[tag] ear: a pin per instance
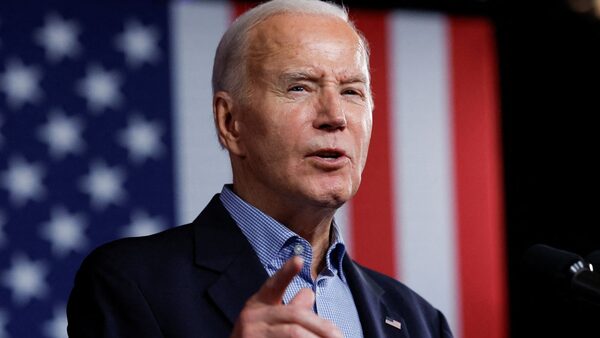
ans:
(227, 123)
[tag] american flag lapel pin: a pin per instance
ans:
(393, 322)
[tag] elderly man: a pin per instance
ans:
(292, 106)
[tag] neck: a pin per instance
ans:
(316, 229)
(311, 222)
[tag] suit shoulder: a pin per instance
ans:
(390, 284)
(131, 251)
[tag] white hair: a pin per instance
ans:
(229, 69)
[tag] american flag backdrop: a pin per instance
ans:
(106, 131)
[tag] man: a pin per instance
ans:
(293, 107)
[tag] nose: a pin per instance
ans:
(330, 113)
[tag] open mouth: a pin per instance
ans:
(329, 159)
(328, 154)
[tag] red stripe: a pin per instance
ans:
(478, 179)
(371, 211)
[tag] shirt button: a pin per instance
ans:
(298, 249)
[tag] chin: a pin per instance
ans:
(333, 197)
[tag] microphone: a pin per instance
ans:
(567, 270)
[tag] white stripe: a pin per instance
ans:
(201, 166)
(422, 146)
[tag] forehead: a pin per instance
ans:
(306, 40)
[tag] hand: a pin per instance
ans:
(265, 316)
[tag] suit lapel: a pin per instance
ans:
(376, 318)
(220, 246)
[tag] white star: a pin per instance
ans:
(101, 89)
(23, 181)
(57, 326)
(104, 185)
(59, 38)
(2, 235)
(139, 43)
(3, 322)
(25, 278)
(62, 134)
(142, 139)
(20, 84)
(142, 225)
(64, 231)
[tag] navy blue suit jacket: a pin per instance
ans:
(193, 281)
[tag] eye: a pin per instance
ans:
(297, 89)
(351, 92)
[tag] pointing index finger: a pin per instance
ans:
(273, 289)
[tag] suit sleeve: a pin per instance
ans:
(105, 302)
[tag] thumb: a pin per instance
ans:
(304, 298)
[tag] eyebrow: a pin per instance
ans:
(293, 76)
(297, 76)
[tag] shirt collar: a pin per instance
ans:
(258, 226)
(335, 253)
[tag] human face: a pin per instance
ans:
(305, 125)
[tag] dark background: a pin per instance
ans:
(549, 70)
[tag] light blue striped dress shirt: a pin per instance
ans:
(275, 244)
